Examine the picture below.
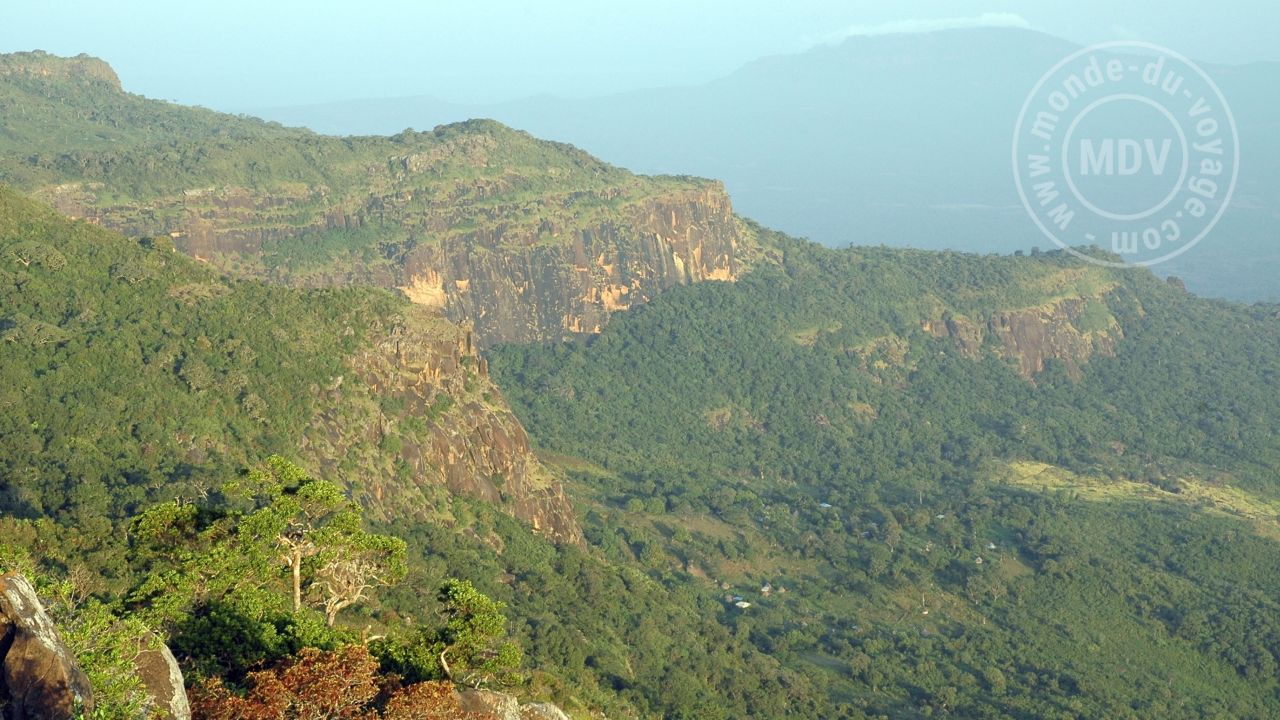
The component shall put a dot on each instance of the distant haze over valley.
(897, 139)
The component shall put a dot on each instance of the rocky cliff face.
(419, 404)
(519, 272)
(564, 277)
(1069, 330)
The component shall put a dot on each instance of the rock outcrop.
(439, 422)
(519, 272)
(41, 678)
(1068, 330)
(517, 287)
(542, 711)
(162, 678)
(1034, 336)
(42, 66)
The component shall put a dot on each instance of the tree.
(354, 562)
(30, 253)
(35, 332)
(473, 636)
(306, 506)
(215, 580)
(314, 521)
(995, 680)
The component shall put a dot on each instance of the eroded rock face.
(520, 265)
(967, 335)
(514, 282)
(41, 678)
(516, 287)
(1053, 333)
(448, 426)
(1033, 336)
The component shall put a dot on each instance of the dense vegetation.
(955, 538)
(812, 493)
(240, 584)
(129, 368)
(137, 383)
(853, 464)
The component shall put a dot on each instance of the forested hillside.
(835, 441)
(139, 388)
(132, 374)
(991, 486)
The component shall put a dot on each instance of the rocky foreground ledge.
(41, 679)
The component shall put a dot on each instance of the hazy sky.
(242, 54)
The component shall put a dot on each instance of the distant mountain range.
(895, 139)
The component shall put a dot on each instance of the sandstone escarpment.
(419, 403)
(564, 278)
(1067, 330)
(520, 272)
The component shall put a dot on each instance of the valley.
(596, 439)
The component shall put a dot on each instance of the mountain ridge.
(525, 239)
(43, 65)
(869, 141)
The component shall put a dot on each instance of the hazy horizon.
(239, 56)
(397, 360)
(791, 136)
